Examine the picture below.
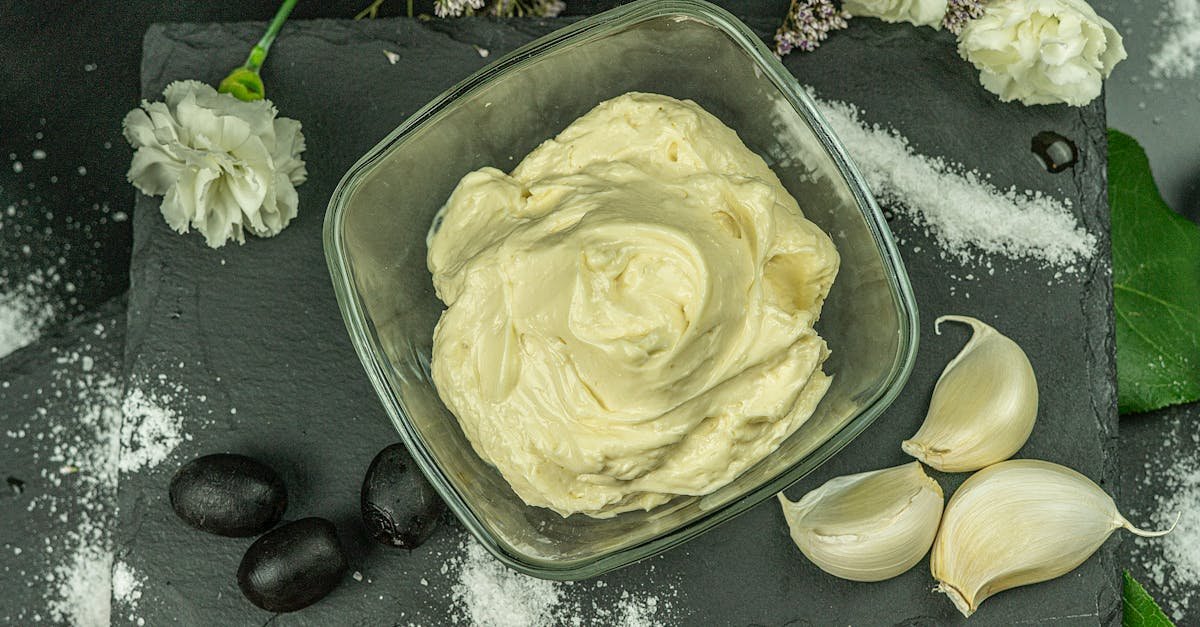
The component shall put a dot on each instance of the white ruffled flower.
(1042, 51)
(222, 165)
(919, 12)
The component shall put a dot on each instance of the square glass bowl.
(380, 213)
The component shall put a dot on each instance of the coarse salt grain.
(1179, 54)
(491, 595)
(22, 317)
(965, 213)
(488, 594)
(127, 590)
(1172, 562)
(75, 432)
(84, 438)
(83, 586)
(151, 430)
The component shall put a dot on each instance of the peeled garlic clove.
(983, 405)
(870, 526)
(1019, 522)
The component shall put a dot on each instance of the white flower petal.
(286, 202)
(222, 165)
(293, 166)
(253, 154)
(153, 171)
(919, 12)
(138, 129)
(1042, 51)
(247, 189)
(176, 208)
(179, 91)
(201, 123)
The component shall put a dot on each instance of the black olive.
(293, 566)
(399, 507)
(229, 495)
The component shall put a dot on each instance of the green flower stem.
(258, 53)
(244, 82)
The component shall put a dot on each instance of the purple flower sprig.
(526, 8)
(455, 8)
(959, 12)
(499, 8)
(807, 24)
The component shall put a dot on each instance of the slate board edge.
(1104, 352)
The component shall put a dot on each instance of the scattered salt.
(83, 586)
(23, 314)
(151, 430)
(491, 595)
(488, 594)
(964, 212)
(1172, 562)
(392, 57)
(127, 590)
(38, 154)
(18, 167)
(75, 428)
(1179, 54)
(76, 434)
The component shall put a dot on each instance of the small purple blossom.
(959, 12)
(455, 8)
(499, 8)
(807, 24)
(526, 8)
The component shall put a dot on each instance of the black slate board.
(258, 331)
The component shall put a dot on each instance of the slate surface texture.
(252, 333)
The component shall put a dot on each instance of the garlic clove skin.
(869, 526)
(983, 406)
(1019, 522)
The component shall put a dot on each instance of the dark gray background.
(48, 45)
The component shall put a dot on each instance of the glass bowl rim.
(357, 323)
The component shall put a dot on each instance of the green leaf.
(1156, 286)
(1140, 609)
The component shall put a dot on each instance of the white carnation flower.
(222, 165)
(919, 12)
(1042, 51)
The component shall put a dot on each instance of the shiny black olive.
(293, 566)
(229, 495)
(399, 507)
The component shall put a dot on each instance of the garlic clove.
(983, 406)
(869, 526)
(1019, 522)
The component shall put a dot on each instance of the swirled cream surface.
(630, 311)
